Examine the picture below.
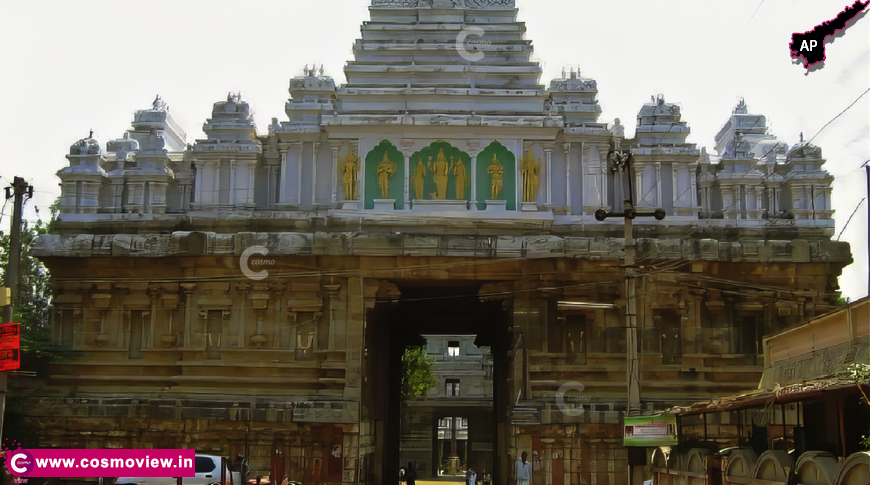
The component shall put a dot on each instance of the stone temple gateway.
(262, 287)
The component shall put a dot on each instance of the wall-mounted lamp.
(579, 305)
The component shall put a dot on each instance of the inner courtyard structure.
(256, 290)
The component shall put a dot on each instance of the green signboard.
(659, 430)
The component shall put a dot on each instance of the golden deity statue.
(461, 176)
(531, 178)
(350, 173)
(420, 180)
(386, 169)
(496, 171)
(440, 171)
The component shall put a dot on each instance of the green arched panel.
(397, 180)
(454, 172)
(484, 181)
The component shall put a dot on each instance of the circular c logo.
(243, 263)
(20, 463)
(460, 43)
(560, 398)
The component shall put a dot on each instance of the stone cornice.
(191, 244)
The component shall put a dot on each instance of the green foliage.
(33, 306)
(865, 443)
(842, 301)
(417, 376)
(857, 372)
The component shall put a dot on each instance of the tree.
(417, 376)
(33, 307)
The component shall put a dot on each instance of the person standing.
(411, 474)
(523, 470)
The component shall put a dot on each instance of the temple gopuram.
(253, 291)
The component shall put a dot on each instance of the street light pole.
(620, 163)
(16, 191)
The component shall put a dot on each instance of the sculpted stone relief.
(384, 164)
(385, 170)
(440, 172)
(531, 176)
(496, 174)
(350, 175)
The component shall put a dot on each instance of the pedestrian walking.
(523, 470)
(470, 477)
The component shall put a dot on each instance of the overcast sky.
(73, 66)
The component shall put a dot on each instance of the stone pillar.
(197, 196)
(216, 182)
(335, 150)
(232, 199)
(251, 175)
(548, 152)
(362, 177)
(693, 178)
(189, 311)
(518, 174)
(602, 154)
(314, 173)
(638, 183)
(300, 150)
(473, 147)
(567, 148)
(282, 187)
(355, 338)
(659, 200)
(474, 182)
(407, 150)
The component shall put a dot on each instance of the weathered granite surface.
(396, 244)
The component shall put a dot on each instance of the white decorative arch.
(741, 464)
(696, 460)
(855, 470)
(817, 468)
(772, 466)
(659, 458)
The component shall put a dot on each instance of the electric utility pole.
(17, 191)
(619, 162)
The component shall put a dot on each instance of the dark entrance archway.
(429, 308)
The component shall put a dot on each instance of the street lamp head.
(659, 214)
(600, 215)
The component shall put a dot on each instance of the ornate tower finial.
(91, 135)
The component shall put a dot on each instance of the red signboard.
(10, 346)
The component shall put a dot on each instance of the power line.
(850, 217)
(755, 12)
(841, 112)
